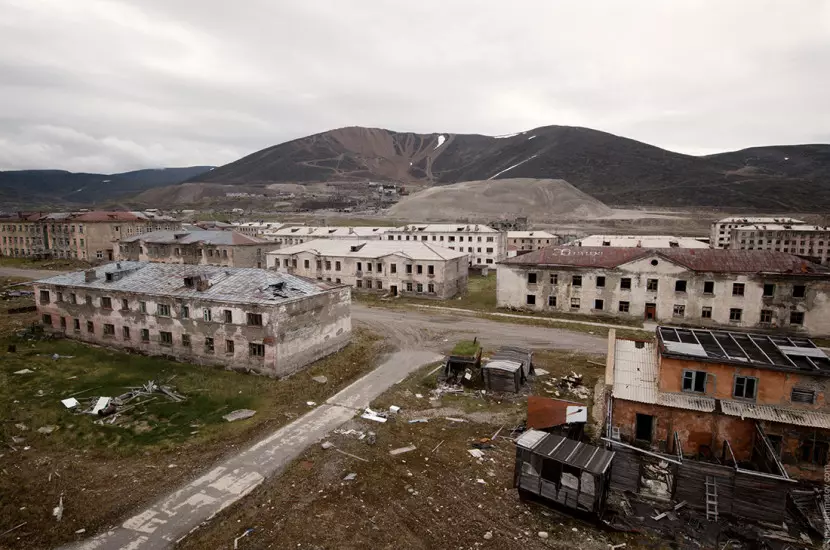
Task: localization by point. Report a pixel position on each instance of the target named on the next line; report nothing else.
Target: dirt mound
(538, 199)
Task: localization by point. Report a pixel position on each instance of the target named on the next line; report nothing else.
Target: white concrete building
(720, 234)
(394, 267)
(247, 319)
(289, 236)
(196, 247)
(484, 245)
(640, 241)
(528, 241)
(256, 229)
(809, 241)
(735, 288)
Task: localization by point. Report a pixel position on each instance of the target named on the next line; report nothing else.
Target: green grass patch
(59, 264)
(465, 347)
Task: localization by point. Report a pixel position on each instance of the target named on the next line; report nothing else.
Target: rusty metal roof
(196, 236)
(567, 451)
(545, 412)
(709, 260)
(771, 413)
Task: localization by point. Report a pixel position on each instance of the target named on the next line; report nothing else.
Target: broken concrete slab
(477, 453)
(47, 429)
(70, 403)
(320, 379)
(402, 450)
(327, 445)
(541, 372)
(369, 414)
(239, 414)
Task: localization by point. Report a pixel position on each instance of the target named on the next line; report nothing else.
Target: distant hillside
(43, 188)
(483, 201)
(613, 169)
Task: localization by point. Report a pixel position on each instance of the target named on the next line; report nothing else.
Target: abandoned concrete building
(709, 393)
(397, 268)
(289, 236)
(528, 241)
(641, 241)
(484, 245)
(78, 235)
(256, 229)
(240, 318)
(811, 242)
(735, 288)
(721, 231)
(221, 248)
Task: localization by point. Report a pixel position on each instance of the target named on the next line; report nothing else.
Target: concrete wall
(482, 248)
(449, 277)
(513, 289)
(238, 255)
(284, 353)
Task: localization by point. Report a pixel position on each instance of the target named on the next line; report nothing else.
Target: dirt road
(23, 273)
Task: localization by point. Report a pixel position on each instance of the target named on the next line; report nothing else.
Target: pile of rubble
(571, 384)
(116, 407)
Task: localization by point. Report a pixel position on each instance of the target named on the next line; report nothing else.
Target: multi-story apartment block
(640, 241)
(707, 287)
(742, 397)
(809, 241)
(247, 319)
(80, 235)
(720, 235)
(256, 229)
(528, 241)
(398, 268)
(223, 248)
(289, 236)
(484, 245)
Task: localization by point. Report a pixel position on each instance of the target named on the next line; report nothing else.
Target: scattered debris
(357, 433)
(394, 409)
(17, 440)
(541, 372)
(477, 453)
(419, 395)
(488, 535)
(327, 445)
(311, 403)
(24, 371)
(369, 414)
(13, 528)
(70, 403)
(21, 427)
(243, 535)
(320, 379)
(419, 421)
(350, 455)
(80, 531)
(101, 404)
(436, 447)
(239, 414)
(350, 477)
(402, 450)
(481, 481)
(57, 511)
(543, 534)
(453, 419)
(47, 429)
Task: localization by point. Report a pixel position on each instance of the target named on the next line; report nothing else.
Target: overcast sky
(112, 85)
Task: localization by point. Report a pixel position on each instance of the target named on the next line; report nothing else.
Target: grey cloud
(110, 85)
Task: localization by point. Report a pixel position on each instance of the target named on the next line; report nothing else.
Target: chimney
(89, 275)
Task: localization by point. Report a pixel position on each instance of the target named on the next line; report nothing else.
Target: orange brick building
(704, 392)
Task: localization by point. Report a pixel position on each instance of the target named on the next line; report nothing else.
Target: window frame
(738, 289)
(625, 283)
(745, 379)
(692, 375)
(732, 318)
(652, 285)
(576, 280)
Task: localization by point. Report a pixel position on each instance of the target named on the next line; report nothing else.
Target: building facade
(484, 245)
(221, 248)
(396, 268)
(808, 241)
(289, 236)
(256, 229)
(87, 236)
(721, 231)
(528, 241)
(727, 288)
(640, 241)
(246, 319)
(713, 393)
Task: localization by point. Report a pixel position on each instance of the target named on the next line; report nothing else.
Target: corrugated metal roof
(195, 236)
(530, 438)
(810, 419)
(636, 379)
(702, 260)
(227, 284)
(341, 248)
(545, 412)
(567, 451)
(509, 366)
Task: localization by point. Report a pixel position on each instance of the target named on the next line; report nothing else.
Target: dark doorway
(645, 427)
(394, 290)
(651, 312)
(109, 254)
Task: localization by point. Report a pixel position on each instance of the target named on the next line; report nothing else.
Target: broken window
(44, 296)
(625, 283)
(796, 317)
(766, 316)
(185, 312)
(430, 270)
(125, 333)
(574, 303)
(531, 278)
(737, 289)
(379, 285)
(803, 396)
(706, 312)
(328, 265)
(798, 291)
(431, 288)
(369, 267)
(651, 285)
(735, 314)
(393, 268)
(745, 387)
(409, 287)
(47, 320)
(207, 315)
(229, 347)
(109, 330)
(88, 300)
(814, 452)
(577, 280)
(680, 286)
(319, 264)
(337, 266)
(142, 307)
(163, 310)
(409, 269)
(679, 310)
(420, 287)
(228, 315)
(145, 335)
(306, 264)
(359, 283)
(165, 338)
(186, 340)
(255, 319)
(76, 324)
(624, 306)
(90, 327)
(694, 381)
(554, 278)
(600, 282)
(419, 269)
(599, 304)
(256, 350)
(530, 299)
(125, 304)
(359, 266)
(769, 290)
(73, 298)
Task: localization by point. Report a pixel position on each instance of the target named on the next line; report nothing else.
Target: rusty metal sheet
(545, 412)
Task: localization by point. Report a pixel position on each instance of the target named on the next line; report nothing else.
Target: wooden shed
(565, 471)
(502, 375)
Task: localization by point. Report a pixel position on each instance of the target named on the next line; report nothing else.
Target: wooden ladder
(711, 499)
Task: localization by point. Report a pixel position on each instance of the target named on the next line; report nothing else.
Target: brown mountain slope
(613, 169)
